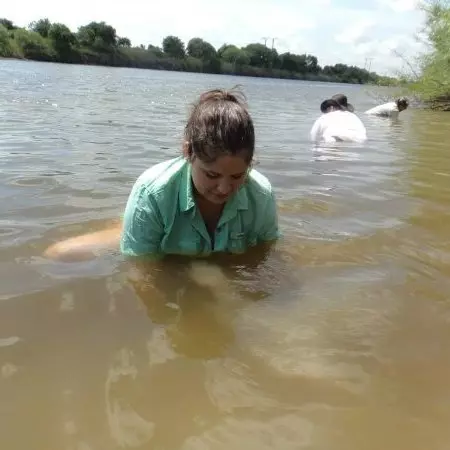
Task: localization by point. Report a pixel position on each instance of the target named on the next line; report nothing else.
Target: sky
(365, 33)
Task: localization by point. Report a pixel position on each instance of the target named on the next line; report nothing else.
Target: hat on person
(341, 99)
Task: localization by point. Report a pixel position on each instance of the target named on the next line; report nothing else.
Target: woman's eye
(212, 175)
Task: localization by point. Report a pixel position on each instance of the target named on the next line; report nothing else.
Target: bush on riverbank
(98, 44)
(432, 84)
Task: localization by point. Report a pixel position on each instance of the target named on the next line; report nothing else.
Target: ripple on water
(286, 432)
(365, 235)
(327, 332)
(30, 181)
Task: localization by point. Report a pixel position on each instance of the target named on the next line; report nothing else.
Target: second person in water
(390, 109)
(338, 123)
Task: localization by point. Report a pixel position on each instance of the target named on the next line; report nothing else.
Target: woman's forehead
(225, 165)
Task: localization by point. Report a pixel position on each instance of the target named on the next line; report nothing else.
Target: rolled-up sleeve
(143, 228)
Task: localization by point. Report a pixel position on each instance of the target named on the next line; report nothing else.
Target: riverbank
(98, 44)
(226, 69)
(439, 104)
(431, 69)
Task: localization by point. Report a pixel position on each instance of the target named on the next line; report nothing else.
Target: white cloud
(399, 5)
(353, 33)
(299, 26)
(381, 47)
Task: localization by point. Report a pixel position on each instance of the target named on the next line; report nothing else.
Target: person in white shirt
(391, 109)
(338, 123)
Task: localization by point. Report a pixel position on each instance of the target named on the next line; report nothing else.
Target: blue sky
(345, 31)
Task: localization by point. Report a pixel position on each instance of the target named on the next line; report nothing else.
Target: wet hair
(328, 104)
(402, 102)
(220, 125)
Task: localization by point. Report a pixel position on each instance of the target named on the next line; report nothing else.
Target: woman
(207, 200)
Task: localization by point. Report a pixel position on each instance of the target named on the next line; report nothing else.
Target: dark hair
(220, 124)
(402, 102)
(328, 103)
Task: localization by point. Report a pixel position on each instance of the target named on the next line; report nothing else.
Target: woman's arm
(140, 233)
(143, 227)
(86, 246)
(269, 230)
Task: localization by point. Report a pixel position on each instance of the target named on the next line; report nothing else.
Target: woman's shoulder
(160, 175)
(261, 211)
(259, 184)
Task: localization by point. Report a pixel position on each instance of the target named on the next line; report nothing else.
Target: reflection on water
(336, 338)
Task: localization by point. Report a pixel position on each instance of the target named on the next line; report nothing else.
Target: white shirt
(338, 126)
(386, 110)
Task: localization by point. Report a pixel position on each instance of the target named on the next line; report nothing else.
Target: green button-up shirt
(161, 216)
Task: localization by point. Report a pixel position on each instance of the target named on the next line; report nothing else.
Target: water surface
(337, 339)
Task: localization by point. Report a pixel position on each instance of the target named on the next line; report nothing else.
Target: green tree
(349, 74)
(98, 35)
(6, 49)
(33, 45)
(173, 46)
(123, 42)
(63, 41)
(192, 64)
(235, 56)
(198, 48)
(259, 54)
(205, 52)
(42, 26)
(98, 43)
(223, 48)
(293, 63)
(156, 51)
(8, 24)
(433, 85)
(312, 65)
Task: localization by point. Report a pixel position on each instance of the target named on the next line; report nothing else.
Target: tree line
(98, 43)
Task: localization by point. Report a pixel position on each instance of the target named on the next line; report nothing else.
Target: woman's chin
(219, 199)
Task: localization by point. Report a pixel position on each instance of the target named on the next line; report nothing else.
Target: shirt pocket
(237, 242)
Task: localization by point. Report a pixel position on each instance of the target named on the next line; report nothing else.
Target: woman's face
(219, 180)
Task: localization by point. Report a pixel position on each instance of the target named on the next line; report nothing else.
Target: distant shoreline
(295, 77)
(97, 44)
